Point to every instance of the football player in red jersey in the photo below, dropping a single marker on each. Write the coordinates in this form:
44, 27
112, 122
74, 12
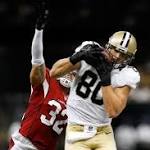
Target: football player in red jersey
45, 117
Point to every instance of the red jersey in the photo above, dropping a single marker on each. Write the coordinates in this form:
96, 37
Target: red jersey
45, 117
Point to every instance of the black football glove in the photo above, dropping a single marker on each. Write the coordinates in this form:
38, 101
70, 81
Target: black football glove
43, 14
104, 70
90, 53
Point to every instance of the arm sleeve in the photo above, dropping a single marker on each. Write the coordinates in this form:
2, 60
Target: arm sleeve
37, 48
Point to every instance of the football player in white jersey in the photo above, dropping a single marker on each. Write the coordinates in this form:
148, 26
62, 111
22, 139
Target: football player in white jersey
100, 90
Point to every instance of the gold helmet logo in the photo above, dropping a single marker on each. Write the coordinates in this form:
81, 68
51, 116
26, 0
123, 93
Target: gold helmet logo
124, 42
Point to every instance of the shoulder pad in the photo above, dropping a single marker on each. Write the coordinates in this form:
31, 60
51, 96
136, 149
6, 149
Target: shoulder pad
127, 76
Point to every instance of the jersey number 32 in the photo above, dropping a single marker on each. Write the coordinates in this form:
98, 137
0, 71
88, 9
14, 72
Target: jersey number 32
53, 120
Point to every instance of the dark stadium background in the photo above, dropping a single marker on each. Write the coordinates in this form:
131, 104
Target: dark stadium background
70, 23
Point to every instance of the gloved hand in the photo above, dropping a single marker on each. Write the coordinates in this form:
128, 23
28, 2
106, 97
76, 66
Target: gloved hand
43, 14
104, 70
95, 56
90, 53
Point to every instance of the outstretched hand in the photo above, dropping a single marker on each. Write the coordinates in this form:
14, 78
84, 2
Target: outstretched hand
96, 56
43, 13
90, 53
99, 59
104, 71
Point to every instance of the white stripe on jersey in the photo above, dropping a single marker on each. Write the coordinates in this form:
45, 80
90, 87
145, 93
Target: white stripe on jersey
45, 87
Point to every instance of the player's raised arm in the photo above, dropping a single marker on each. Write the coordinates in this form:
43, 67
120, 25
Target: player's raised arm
37, 74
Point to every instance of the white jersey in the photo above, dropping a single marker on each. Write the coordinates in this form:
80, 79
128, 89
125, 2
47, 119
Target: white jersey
85, 102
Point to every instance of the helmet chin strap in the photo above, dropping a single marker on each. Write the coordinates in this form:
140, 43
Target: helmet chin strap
124, 63
119, 65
